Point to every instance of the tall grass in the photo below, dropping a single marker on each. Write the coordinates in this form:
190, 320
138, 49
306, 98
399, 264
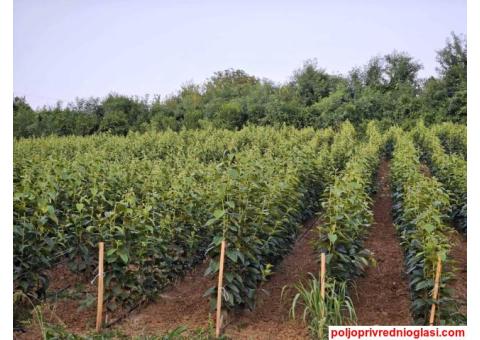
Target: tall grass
336, 309
23, 300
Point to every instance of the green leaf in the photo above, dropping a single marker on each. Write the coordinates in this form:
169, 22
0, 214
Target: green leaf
232, 255
429, 228
229, 277
123, 255
233, 173
332, 237
209, 291
211, 221
51, 214
218, 213
217, 240
212, 268
423, 285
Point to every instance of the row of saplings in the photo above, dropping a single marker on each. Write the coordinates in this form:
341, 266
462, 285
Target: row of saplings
347, 182
160, 217
421, 212
159, 211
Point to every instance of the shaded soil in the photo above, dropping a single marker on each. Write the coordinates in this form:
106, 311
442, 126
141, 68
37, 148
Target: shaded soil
459, 283
184, 304
383, 296
425, 170
181, 304
62, 307
458, 254
270, 319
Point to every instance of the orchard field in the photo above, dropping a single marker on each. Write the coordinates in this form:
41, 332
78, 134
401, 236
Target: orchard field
163, 202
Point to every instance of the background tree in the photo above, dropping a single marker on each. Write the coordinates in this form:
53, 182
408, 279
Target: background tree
400, 70
387, 88
312, 83
445, 97
24, 118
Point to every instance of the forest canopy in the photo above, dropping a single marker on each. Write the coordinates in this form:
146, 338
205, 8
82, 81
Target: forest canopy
387, 88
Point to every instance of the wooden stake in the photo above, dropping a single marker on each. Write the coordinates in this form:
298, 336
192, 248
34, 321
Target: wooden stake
435, 290
219, 290
322, 275
322, 287
100, 287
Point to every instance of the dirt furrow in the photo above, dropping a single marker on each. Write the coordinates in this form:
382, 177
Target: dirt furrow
181, 305
383, 296
270, 319
459, 282
184, 304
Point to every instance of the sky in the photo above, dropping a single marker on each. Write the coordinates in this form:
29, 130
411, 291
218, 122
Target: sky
82, 48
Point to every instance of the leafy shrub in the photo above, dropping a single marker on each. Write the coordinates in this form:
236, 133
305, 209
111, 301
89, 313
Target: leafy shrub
421, 206
450, 169
155, 199
347, 210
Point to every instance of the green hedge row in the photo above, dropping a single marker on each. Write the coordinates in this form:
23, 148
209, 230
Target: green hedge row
156, 201
347, 213
421, 207
453, 138
450, 169
262, 208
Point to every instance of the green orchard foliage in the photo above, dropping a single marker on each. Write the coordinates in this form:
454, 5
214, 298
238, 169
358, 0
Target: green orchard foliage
421, 207
156, 199
163, 202
450, 169
347, 209
453, 138
263, 203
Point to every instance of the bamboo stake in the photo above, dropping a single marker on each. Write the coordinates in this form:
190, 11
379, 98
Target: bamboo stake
435, 290
219, 290
322, 275
100, 287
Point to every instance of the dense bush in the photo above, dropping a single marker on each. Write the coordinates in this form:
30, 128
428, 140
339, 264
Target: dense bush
450, 169
421, 207
347, 212
160, 202
453, 138
261, 209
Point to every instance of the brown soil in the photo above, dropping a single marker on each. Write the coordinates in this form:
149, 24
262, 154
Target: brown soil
61, 310
383, 296
62, 307
459, 283
459, 255
425, 170
270, 319
182, 304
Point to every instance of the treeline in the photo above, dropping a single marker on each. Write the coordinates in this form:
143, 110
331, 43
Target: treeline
387, 88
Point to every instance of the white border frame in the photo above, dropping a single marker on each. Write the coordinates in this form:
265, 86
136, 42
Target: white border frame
6, 135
